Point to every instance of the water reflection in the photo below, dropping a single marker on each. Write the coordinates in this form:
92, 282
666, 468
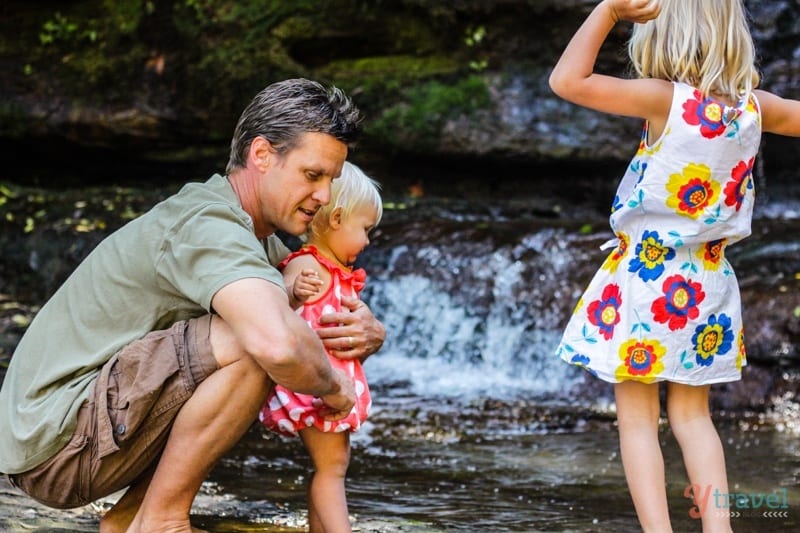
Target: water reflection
465, 465
491, 474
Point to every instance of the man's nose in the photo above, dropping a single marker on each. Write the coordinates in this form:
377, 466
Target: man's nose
322, 194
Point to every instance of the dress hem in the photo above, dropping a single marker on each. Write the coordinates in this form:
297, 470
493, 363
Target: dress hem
658, 379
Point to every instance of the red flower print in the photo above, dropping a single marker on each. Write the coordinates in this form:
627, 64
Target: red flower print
695, 196
604, 313
679, 303
706, 113
741, 181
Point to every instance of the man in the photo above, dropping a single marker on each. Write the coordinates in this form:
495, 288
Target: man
154, 357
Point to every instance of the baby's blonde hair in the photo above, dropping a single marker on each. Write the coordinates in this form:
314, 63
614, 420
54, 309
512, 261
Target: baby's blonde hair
705, 43
351, 190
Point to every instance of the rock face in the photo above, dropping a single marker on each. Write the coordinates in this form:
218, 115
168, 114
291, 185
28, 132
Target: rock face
456, 102
164, 82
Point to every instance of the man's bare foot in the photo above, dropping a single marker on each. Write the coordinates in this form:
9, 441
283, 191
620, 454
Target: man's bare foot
178, 527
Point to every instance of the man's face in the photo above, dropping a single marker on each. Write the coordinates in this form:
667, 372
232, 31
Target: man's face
298, 183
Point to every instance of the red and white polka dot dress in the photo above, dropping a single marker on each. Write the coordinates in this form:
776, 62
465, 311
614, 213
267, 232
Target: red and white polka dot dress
287, 412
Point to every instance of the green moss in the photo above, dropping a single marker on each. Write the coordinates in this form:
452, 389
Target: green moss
205, 59
380, 81
417, 121
395, 68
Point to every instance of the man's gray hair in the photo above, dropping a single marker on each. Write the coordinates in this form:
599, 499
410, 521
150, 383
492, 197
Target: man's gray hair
284, 111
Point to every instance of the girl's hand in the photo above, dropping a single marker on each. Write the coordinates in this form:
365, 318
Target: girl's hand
633, 10
306, 285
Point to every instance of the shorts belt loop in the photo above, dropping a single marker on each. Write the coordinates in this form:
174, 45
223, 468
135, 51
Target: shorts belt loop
105, 432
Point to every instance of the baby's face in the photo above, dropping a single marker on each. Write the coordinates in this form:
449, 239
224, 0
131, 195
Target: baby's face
352, 236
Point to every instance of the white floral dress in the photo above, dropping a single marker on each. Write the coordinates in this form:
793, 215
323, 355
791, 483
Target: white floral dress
665, 304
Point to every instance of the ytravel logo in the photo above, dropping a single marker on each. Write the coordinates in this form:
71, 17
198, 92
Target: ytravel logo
737, 504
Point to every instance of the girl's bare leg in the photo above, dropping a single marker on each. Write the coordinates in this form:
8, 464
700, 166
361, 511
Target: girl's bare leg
638, 411
703, 455
327, 502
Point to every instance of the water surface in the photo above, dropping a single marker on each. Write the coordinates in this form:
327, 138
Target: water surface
449, 464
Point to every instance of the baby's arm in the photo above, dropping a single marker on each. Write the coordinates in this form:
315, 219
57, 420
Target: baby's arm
779, 115
574, 79
305, 285
304, 278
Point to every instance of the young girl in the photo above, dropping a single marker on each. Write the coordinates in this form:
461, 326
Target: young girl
316, 277
665, 304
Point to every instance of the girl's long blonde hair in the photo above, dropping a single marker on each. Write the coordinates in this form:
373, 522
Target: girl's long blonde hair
351, 190
705, 43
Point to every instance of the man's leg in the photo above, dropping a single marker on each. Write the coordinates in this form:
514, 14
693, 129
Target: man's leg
212, 420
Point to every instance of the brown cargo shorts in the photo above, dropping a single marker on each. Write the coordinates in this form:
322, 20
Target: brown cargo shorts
123, 427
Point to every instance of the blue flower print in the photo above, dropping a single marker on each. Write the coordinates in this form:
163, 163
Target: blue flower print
582, 361
617, 204
648, 260
713, 338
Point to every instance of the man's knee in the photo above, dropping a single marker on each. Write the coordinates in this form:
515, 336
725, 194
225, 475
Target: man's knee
234, 360
225, 346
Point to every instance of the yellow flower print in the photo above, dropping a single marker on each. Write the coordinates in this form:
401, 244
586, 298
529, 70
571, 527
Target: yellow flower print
752, 107
650, 150
712, 254
693, 190
578, 306
642, 360
614, 258
741, 356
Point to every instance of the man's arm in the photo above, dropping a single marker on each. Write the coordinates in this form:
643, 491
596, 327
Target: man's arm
259, 315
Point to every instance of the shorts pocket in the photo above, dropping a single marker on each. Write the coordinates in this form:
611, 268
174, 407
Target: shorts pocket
138, 380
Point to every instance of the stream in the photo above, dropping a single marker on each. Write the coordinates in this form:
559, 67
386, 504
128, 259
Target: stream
475, 426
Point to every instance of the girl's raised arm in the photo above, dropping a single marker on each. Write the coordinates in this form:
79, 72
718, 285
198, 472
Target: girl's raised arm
574, 79
779, 115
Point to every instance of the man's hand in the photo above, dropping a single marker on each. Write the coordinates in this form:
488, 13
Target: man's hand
339, 404
354, 334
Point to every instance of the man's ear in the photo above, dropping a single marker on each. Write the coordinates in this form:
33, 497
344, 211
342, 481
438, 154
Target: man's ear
261, 153
335, 218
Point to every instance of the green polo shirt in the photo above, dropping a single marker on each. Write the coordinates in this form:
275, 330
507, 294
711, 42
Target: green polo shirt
162, 267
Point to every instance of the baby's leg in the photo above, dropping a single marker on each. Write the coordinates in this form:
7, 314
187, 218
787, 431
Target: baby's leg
690, 420
327, 503
638, 411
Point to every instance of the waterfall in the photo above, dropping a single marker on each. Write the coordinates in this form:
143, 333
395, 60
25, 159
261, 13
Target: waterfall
469, 316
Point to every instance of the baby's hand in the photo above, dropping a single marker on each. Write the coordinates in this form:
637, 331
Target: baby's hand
634, 10
306, 285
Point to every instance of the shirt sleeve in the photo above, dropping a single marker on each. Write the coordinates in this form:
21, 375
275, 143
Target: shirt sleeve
276, 250
208, 250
